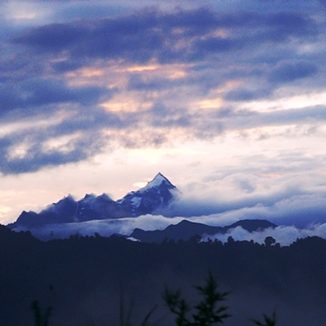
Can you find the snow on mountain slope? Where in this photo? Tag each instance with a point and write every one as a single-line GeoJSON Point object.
{"type": "Point", "coordinates": [157, 182]}
{"type": "Point", "coordinates": [157, 193]}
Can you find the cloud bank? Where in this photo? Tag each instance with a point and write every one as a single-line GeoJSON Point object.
{"type": "Point", "coordinates": [283, 235]}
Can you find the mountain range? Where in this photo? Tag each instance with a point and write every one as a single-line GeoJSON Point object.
{"type": "Point", "coordinates": [68, 216]}
{"type": "Point", "coordinates": [185, 230]}
{"type": "Point", "coordinates": [156, 194]}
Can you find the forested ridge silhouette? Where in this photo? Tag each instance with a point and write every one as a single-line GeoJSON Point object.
{"type": "Point", "coordinates": [82, 279]}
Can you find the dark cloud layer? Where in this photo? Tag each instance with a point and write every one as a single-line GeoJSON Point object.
{"type": "Point", "coordinates": [289, 71]}
{"type": "Point", "coordinates": [38, 157]}
{"type": "Point", "coordinates": [34, 93]}
{"type": "Point", "coordinates": [169, 37]}
{"type": "Point", "coordinates": [258, 52]}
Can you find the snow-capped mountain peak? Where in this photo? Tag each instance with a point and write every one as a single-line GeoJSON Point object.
{"type": "Point", "coordinates": [157, 193]}
{"type": "Point", "coordinates": [156, 182]}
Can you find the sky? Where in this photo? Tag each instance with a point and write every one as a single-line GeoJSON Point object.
{"type": "Point", "coordinates": [226, 98]}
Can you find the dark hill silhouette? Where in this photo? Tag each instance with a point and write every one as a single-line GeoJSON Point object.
{"type": "Point", "coordinates": [253, 225]}
{"type": "Point", "coordinates": [186, 230]}
{"type": "Point", "coordinates": [88, 274]}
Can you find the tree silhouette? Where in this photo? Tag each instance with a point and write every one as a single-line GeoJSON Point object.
{"type": "Point", "coordinates": [126, 315]}
{"type": "Point", "coordinates": [268, 321]}
{"type": "Point", "coordinates": [207, 311]}
{"type": "Point", "coordinates": [269, 241]}
{"type": "Point", "coordinates": [40, 319]}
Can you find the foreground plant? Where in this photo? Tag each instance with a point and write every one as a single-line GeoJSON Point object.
{"type": "Point", "coordinates": [207, 312]}
{"type": "Point", "coordinates": [40, 319]}
{"type": "Point", "coordinates": [126, 314]}
{"type": "Point", "coordinates": [268, 321]}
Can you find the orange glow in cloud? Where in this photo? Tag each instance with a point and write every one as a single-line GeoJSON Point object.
{"type": "Point", "coordinates": [214, 103]}
{"type": "Point", "coordinates": [170, 71]}
{"type": "Point", "coordinates": [91, 72]}
{"type": "Point", "coordinates": [87, 76]}
{"type": "Point", "coordinates": [178, 74]}
{"type": "Point", "coordinates": [109, 76]}
{"type": "Point", "coordinates": [142, 68]}
{"type": "Point", "coordinates": [125, 104]}
{"type": "Point", "coordinates": [116, 74]}
{"type": "Point", "coordinates": [228, 86]}
{"type": "Point", "coordinates": [222, 33]}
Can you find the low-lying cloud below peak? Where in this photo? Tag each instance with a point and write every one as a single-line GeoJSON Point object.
{"type": "Point", "coordinates": [284, 235]}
